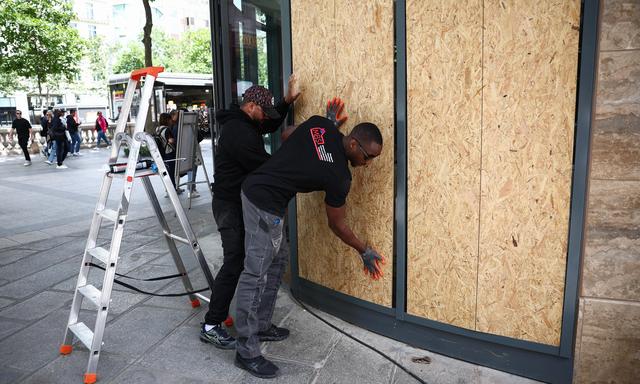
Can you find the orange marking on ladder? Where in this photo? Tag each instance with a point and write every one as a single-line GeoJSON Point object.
{"type": "Point", "coordinates": [65, 349]}
{"type": "Point", "coordinates": [90, 378]}
{"type": "Point", "coordinates": [153, 71]}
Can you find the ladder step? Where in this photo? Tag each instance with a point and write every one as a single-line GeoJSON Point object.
{"type": "Point", "coordinates": [92, 293]}
{"type": "Point", "coordinates": [139, 173]}
{"type": "Point", "coordinates": [83, 333]}
{"type": "Point", "coordinates": [109, 214]}
{"type": "Point", "coordinates": [100, 254]}
{"type": "Point", "coordinates": [177, 238]}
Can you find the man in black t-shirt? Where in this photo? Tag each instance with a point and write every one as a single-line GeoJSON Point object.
{"type": "Point", "coordinates": [315, 157]}
{"type": "Point", "coordinates": [240, 151]}
{"type": "Point", "coordinates": [23, 127]}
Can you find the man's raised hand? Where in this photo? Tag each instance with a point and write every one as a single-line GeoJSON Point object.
{"type": "Point", "coordinates": [293, 90]}
{"type": "Point", "coordinates": [335, 108]}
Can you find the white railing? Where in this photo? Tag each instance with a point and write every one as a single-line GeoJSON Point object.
{"type": "Point", "coordinates": [88, 135]}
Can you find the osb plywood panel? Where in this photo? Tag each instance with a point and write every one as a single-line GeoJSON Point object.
{"type": "Point", "coordinates": [313, 51]}
{"type": "Point", "coordinates": [361, 57]}
{"type": "Point", "coordinates": [530, 61]}
{"type": "Point", "coordinates": [444, 52]}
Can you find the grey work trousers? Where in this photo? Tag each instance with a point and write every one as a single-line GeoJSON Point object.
{"type": "Point", "coordinates": [264, 264]}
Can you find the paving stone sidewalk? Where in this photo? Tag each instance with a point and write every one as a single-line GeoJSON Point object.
{"type": "Point", "coordinates": [150, 339]}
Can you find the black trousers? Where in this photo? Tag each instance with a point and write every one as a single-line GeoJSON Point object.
{"type": "Point", "coordinates": [228, 216]}
{"type": "Point", "coordinates": [170, 164]}
{"type": "Point", "coordinates": [62, 147]}
{"type": "Point", "coordinates": [22, 142]}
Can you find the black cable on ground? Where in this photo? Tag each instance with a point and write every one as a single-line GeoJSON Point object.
{"type": "Point", "coordinates": [159, 294]}
{"type": "Point", "coordinates": [139, 279]}
{"type": "Point", "coordinates": [419, 380]}
{"type": "Point", "coordinates": [150, 279]}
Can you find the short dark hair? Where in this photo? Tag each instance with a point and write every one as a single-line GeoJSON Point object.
{"type": "Point", "coordinates": [367, 132]}
{"type": "Point", "coordinates": [164, 119]}
{"type": "Point", "coordinates": [72, 111]}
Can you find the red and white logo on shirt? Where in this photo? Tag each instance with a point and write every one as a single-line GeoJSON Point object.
{"type": "Point", "coordinates": [317, 135]}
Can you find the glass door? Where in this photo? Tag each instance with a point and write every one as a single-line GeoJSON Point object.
{"type": "Point", "coordinates": [247, 49]}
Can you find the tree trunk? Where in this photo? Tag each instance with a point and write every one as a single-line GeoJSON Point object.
{"type": "Point", "coordinates": [39, 89]}
{"type": "Point", "coordinates": [146, 40]}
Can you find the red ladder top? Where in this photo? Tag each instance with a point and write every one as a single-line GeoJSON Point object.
{"type": "Point", "coordinates": [153, 71]}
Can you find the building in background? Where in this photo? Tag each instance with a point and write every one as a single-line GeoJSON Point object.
{"type": "Point", "coordinates": [113, 23]}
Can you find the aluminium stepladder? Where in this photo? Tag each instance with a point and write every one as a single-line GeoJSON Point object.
{"type": "Point", "coordinates": [108, 258]}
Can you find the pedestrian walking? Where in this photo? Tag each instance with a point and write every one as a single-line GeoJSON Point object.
{"type": "Point", "coordinates": [101, 128]}
{"type": "Point", "coordinates": [23, 127]}
{"type": "Point", "coordinates": [73, 125]}
{"type": "Point", "coordinates": [45, 123]}
{"type": "Point", "coordinates": [59, 134]}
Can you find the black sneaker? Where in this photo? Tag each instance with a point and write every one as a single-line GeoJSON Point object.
{"type": "Point", "coordinates": [258, 366]}
{"type": "Point", "coordinates": [217, 336]}
{"type": "Point", "coordinates": [273, 334]}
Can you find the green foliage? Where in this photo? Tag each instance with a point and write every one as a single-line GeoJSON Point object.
{"type": "Point", "coordinates": [189, 54]}
{"type": "Point", "coordinates": [97, 53]}
{"type": "Point", "coordinates": [195, 48]}
{"type": "Point", "coordinates": [261, 46]}
{"type": "Point", "coordinates": [37, 41]}
{"type": "Point", "coordinates": [132, 58]}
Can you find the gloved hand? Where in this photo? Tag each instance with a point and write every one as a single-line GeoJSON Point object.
{"type": "Point", "coordinates": [334, 111]}
{"type": "Point", "coordinates": [372, 260]}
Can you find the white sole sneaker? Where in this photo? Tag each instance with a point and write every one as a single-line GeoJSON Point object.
{"type": "Point", "coordinates": [61, 167]}
{"type": "Point", "coordinates": [27, 163]}
{"type": "Point", "coordinates": [48, 162]}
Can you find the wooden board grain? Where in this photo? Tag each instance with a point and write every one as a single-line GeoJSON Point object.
{"type": "Point", "coordinates": [530, 63]}
{"type": "Point", "coordinates": [359, 68]}
{"type": "Point", "coordinates": [444, 48]}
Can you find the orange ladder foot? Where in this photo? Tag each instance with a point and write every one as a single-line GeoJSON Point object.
{"type": "Point", "coordinates": [195, 303]}
{"type": "Point", "coordinates": [65, 349]}
{"type": "Point", "coordinates": [90, 378]}
{"type": "Point", "coordinates": [229, 321]}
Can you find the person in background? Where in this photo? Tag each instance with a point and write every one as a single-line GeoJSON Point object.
{"type": "Point", "coordinates": [23, 127]}
{"type": "Point", "coordinates": [45, 121]}
{"type": "Point", "coordinates": [101, 128]}
{"type": "Point", "coordinates": [59, 134]}
{"type": "Point", "coordinates": [168, 149]}
{"type": "Point", "coordinates": [73, 124]}
{"type": "Point", "coordinates": [175, 115]}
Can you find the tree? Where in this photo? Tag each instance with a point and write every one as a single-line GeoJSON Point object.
{"type": "Point", "coordinates": [146, 39]}
{"type": "Point", "coordinates": [37, 41]}
{"type": "Point", "coordinates": [190, 54]}
{"type": "Point", "coordinates": [97, 53]}
{"type": "Point", "coordinates": [196, 51]}
{"type": "Point", "coordinates": [132, 58]}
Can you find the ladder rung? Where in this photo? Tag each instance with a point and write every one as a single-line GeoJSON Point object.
{"type": "Point", "coordinates": [109, 214]}
{"type": "Point", "coordinates": [139, 173]}
{"type": "Point", "coordinates": [83, 333]}
{"type": "Point", "coordinates": [177, 238]}
{"type": "Point", "coordinates": [92, 293]}
{"type": "Point", "coordinates": [100, 254]}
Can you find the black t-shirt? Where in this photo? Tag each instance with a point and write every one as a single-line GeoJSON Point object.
{"type": "Point", "coordinates": [72, 126]}
{"type": "Point", "coordinates": [22, 126]}
{"type": "Point", "coordinates": [311, 159]}
{"type": "Point", "coordinates": [240, 149]}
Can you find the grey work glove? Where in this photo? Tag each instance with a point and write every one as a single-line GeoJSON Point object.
{"type": "Point", "coordinates": [372, 260]}
{"type": "Point", "coordinates": [334, 111]}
